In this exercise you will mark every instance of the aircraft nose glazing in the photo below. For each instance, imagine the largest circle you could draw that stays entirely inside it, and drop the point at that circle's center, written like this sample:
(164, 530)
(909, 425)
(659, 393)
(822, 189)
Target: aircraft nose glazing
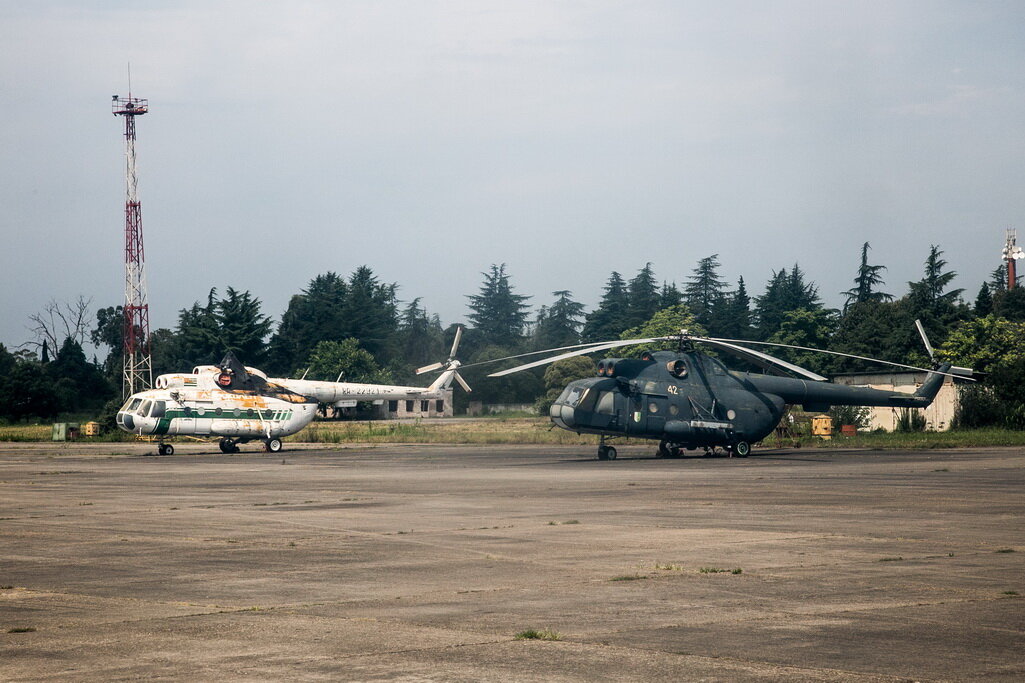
(562, 415)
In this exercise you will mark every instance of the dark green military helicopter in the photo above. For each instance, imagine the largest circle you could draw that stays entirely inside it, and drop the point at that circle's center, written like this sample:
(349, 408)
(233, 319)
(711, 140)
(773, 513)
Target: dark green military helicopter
(687, 399)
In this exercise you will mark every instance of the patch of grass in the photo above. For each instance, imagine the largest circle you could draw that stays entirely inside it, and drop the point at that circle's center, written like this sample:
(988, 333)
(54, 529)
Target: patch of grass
(967, 438)
(6, 588)
(712, 570)
(669, 567)
(738, 570)
(534, 634)
(942, 469)
(629, 577)
(1005, 550)
(22, 629)
(890, 559)
(572, 521)
(1011, 593)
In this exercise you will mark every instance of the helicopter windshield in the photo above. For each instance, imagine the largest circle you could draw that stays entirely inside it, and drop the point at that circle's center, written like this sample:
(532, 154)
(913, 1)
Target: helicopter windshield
(571, 397)
(131, 404)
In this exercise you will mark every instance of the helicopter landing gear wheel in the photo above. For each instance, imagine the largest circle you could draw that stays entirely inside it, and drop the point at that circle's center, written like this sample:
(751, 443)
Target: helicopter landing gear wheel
(228, 446)
(606, 453)
(165, 449)
(741, 449)
(668, 450)
(272, 445)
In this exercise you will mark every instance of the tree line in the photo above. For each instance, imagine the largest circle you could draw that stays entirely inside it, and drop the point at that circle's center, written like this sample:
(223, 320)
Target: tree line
(356, 328)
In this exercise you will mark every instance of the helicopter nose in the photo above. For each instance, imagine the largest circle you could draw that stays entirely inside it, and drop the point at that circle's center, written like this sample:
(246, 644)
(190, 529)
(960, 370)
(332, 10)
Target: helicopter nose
(563, 415)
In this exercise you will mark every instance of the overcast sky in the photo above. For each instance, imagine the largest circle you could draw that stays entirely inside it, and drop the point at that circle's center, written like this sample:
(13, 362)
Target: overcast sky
(566, 139)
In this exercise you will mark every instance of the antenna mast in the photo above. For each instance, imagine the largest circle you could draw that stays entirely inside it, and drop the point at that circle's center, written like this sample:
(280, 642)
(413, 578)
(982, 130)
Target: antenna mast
(1012, 254)
(138, 363)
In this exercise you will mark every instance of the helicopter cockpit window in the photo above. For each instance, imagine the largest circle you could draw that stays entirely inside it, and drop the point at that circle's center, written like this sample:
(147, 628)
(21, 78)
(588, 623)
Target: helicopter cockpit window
(587, 400)
(575, 394)
(131, 404)
(606, 403)
(159, 408)
(144, 409)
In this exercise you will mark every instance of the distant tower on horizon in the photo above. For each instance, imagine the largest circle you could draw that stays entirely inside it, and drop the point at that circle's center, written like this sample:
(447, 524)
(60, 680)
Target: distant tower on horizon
(1012, 253)
(138, 362)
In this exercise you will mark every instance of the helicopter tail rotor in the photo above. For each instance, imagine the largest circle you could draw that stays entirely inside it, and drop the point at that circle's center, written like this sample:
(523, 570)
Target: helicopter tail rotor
(449, 366)
(953, 369)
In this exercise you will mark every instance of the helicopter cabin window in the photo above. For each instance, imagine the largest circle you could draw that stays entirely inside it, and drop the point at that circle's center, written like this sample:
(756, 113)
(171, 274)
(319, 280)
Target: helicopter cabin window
(654, 388)
(159, 409)
(606, 403)
(652, 407)
(674, 409)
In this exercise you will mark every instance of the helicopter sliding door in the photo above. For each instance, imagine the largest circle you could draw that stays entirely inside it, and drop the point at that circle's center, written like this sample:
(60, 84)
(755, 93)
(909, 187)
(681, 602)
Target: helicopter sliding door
(648, 412)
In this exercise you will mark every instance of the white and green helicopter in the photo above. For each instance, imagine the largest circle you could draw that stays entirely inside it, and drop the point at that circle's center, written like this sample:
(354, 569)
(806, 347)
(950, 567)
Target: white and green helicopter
(241, 404)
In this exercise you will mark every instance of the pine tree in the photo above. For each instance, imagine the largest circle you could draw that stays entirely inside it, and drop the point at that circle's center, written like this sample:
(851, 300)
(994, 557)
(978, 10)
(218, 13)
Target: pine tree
(370, 313)
(559, 324)
(928, 293)
(643, 297)
(864, 284)
(983, 302)
(704, 288)
(730, 316)
(609, 319)
(498, 315)
(420, 336)
(669, 296)
(242, 328)
(784, 292)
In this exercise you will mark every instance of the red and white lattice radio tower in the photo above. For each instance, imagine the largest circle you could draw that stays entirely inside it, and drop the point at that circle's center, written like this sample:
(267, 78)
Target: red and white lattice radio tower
(138, 364)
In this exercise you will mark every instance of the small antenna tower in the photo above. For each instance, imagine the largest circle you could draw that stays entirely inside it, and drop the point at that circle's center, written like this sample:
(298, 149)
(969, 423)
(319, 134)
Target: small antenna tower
(1012, 253)
(138, 362)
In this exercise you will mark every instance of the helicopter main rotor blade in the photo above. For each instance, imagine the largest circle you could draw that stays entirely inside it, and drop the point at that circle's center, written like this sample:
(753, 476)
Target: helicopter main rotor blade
(533, 353)
(963, 373)
(762, 360)
(578, 352)
(462, 383)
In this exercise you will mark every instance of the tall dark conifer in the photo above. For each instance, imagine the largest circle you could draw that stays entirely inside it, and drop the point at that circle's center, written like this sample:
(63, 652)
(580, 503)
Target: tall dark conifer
(498, 315)
(609, 319)
(704, 288)
(865, 282)
(643, 296)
